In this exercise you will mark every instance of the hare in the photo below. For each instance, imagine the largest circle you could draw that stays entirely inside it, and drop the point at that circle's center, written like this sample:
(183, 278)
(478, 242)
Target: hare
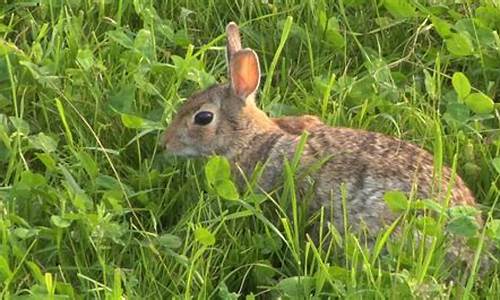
(358, 167)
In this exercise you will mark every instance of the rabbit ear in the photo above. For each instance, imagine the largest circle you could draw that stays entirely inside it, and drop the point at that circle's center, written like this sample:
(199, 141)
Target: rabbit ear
(244, 73)
(233, 40)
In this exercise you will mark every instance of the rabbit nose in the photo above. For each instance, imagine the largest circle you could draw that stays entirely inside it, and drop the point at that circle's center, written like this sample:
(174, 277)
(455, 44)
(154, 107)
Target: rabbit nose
(166, 138)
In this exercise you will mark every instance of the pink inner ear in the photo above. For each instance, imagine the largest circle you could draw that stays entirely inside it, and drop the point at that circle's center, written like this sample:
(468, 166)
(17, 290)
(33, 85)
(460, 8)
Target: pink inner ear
(245, 73)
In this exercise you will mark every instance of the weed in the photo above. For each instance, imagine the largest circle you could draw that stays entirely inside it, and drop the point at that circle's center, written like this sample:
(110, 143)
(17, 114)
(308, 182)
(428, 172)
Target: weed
(91, 208)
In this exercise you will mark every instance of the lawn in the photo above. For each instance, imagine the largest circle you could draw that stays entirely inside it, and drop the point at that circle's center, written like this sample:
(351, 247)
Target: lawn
(92, 208)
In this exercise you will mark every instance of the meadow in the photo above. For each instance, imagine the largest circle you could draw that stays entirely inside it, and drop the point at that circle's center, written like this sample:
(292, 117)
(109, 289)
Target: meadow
(92, 208)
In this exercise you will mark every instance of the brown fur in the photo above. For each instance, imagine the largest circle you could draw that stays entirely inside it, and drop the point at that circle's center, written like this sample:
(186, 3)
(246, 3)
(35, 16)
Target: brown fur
(366, 164)
(297, 125)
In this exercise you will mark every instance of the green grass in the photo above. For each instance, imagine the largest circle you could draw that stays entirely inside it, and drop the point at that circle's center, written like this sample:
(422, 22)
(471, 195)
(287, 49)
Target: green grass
(90, 207)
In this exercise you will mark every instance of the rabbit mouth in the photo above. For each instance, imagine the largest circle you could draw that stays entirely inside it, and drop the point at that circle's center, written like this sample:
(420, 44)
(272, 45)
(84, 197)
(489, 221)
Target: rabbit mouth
(185, 152)
(177, 149)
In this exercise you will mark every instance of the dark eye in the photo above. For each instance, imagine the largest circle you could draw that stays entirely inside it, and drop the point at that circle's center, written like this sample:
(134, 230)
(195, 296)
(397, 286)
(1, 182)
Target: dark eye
(203, 118)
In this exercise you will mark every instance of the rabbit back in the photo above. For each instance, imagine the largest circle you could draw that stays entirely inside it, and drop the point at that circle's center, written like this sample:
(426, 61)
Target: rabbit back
(360, 166)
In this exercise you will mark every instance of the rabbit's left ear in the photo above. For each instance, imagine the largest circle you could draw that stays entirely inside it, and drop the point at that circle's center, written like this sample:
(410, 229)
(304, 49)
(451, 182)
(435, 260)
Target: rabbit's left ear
(244, 73)
(233, 40)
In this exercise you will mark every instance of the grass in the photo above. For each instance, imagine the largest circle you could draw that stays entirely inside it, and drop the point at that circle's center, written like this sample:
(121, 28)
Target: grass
(91, 208)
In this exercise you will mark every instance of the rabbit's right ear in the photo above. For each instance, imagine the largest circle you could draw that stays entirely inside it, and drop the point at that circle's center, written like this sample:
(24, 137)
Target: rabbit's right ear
(245, 73)
(233, 40)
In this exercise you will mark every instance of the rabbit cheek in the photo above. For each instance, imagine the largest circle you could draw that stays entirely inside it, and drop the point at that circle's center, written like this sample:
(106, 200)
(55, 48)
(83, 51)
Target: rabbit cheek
(202, 138)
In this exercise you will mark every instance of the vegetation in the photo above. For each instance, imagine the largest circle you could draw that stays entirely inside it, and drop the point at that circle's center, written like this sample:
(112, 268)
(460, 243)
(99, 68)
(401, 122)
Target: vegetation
(90, 207)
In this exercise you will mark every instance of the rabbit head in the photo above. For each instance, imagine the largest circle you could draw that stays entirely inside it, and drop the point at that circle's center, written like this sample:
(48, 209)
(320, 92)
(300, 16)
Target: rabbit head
(223, 118)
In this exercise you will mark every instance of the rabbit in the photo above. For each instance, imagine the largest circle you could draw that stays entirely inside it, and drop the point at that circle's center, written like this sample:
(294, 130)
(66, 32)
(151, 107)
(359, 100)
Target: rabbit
(358, 166)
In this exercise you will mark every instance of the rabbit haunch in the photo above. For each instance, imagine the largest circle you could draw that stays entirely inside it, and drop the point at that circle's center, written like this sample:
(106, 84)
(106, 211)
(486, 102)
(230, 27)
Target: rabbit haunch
(359, 164)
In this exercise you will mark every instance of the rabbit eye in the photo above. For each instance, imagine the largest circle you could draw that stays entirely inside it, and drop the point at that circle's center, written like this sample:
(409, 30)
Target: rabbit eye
(203, 118)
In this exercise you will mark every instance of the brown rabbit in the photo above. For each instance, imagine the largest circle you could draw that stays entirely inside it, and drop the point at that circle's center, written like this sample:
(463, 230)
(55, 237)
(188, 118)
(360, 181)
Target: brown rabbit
(359, 165)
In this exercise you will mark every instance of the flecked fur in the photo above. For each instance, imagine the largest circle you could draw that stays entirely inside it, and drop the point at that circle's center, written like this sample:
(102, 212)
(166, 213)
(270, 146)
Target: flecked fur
(366, 164)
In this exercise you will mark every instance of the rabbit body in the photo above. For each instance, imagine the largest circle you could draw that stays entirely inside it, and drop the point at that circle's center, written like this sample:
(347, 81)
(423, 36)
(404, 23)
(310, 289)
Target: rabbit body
(359, 165)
